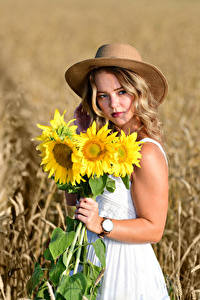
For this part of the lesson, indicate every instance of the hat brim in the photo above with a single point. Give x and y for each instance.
(77, 74)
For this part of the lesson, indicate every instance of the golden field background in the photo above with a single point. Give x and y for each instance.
(38, 40)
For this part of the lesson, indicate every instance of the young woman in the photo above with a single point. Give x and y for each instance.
(118, 87)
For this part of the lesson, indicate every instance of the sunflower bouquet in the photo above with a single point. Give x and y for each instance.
(83, 164)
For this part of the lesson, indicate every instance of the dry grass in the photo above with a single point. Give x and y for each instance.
(38, 40)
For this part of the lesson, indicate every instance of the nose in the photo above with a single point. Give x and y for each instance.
(114, 101)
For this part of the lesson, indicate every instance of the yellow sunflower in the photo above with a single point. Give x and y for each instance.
(97, 151)
(58, 159)
(59, 126)
(127, 154)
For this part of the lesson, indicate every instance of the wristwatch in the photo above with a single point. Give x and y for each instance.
(107, 227)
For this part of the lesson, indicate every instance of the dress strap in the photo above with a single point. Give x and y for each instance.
(156, 143)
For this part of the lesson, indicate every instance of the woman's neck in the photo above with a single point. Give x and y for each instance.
(135, 125)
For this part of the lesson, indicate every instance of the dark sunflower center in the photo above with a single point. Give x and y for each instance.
(62, 154)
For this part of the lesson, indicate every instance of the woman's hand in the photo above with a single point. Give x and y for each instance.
(87, 212)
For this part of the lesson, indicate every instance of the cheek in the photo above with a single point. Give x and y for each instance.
(102, 106)
(128, 104)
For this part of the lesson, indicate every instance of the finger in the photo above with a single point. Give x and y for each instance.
(81, 218)
(82, 211)
(84, 205)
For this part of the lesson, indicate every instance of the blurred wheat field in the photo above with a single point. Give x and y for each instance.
(39, 40)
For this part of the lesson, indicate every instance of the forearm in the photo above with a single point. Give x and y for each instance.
(137, 230)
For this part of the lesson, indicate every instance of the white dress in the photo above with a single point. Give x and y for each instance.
(132, 270)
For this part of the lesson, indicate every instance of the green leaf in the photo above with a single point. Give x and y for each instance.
(64, 257)
(71, 224)
(100, 251)
(60, 240)
(82, 189)
(97, 185)
(63, 187)
(73, 287)
(56, 271)
(35, 279)
(126, 181)
(93, 273)
(110, 185)
(47, 255)
(64, 131)
(59, 297)
(43, 292)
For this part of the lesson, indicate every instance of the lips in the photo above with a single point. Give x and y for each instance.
(116, 114)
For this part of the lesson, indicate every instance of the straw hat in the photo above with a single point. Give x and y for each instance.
(119, 55)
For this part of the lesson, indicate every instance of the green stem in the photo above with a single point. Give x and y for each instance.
(79, 250)
(85, 253)
(71, 250)
(65, 256)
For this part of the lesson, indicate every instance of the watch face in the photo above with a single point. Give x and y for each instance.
(107, 225)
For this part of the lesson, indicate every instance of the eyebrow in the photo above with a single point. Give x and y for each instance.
(113, 90)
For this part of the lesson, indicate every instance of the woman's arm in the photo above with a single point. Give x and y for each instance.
(150, 195)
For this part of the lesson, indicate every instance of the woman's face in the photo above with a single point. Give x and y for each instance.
(115, 103)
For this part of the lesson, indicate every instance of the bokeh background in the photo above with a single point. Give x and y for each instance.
(39, 39)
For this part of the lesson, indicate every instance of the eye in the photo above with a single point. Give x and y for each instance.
(122, 92)
(102, 96)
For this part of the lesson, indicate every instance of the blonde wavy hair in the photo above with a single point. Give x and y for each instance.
(145, 106)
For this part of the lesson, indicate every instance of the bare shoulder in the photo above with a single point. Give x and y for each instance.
(152, 161)
(152, 155)
(152, 177)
